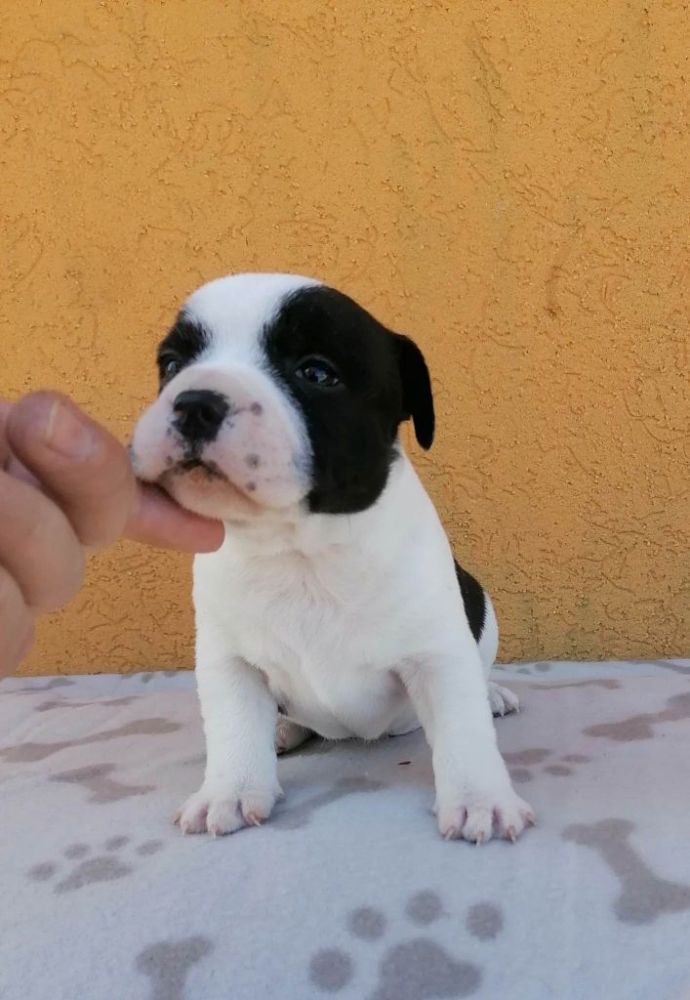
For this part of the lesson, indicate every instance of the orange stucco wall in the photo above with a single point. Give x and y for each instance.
(506, 182)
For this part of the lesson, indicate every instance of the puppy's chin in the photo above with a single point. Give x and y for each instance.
(201, 491)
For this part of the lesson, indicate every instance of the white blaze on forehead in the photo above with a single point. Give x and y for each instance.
(235, 309)
(263, 452)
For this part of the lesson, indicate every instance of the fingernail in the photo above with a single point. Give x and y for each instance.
(66, 434)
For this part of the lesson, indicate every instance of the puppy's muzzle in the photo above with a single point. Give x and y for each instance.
(198, 414)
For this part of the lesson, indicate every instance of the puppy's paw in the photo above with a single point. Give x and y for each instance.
(478, 818)
(219, 811)
(502, 700)
(290, 735)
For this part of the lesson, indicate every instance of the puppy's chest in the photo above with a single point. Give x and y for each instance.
(326, 644)
(296, 616)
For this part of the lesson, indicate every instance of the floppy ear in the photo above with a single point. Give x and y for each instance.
(418, 401)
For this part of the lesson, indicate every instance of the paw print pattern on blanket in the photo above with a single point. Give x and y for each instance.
(521, 763)
(51, 685)
(417, 969)
(147, 676)
(295, 817)
(640, 727)
(676, 668)
(167, 964)
(540, 668)
(98, 781)
(48, 706)
(87, 868)
(644, 895)
(24, 753)
(605, 683)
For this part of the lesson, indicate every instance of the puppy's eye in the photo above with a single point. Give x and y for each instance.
(169, 368)
(318, 372)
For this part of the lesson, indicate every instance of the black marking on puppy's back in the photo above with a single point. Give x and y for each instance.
(473, 598)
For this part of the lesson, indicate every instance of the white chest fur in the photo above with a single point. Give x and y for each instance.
(327, 611)
(356, 627)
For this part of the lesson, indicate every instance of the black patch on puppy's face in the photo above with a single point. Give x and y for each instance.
(183, 344)
(354, 381)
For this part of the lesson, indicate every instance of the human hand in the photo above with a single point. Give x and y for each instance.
(66, 486)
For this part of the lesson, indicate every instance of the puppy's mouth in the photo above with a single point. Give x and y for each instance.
(209, 469)
(195, 482)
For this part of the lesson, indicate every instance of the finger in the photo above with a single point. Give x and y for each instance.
(4, 447)
(158, 520)
(15, 468)
(7, 459)
(16, 624)
(82, 466)
(38, 546)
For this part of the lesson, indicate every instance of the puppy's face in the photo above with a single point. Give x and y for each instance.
(279, 394)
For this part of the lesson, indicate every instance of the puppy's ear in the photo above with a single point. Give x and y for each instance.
(418, 401)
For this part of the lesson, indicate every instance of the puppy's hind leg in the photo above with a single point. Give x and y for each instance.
(502, 700)
(290, 735)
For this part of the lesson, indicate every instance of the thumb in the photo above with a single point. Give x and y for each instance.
(77, 463)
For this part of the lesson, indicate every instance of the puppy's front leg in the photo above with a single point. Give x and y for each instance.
(241, 782)
(474, 795)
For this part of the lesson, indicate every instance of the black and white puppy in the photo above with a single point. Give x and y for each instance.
(334, 605)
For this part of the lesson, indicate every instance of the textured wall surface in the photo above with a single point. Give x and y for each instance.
(507, 182)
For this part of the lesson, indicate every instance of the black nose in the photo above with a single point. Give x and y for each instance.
(199, 413)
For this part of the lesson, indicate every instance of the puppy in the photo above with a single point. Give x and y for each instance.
(334, 605)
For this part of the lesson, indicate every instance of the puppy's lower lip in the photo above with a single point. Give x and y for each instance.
(189, 464)
(200, 474)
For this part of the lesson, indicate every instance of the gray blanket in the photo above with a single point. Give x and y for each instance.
(348, 891)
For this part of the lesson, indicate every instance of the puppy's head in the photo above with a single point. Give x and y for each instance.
(279, 394)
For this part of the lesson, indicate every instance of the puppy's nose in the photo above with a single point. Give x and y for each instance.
(199, 413)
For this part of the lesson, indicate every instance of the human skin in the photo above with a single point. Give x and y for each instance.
(67, 487)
